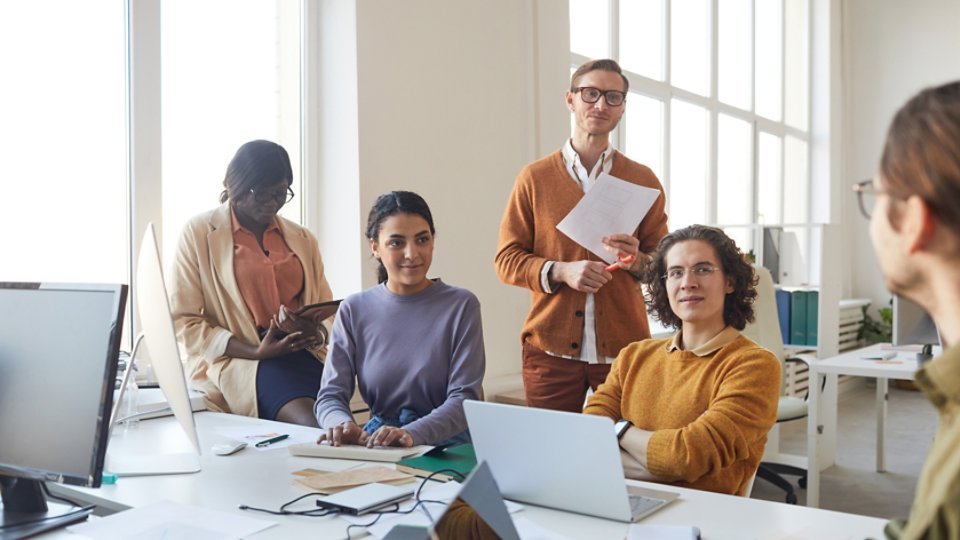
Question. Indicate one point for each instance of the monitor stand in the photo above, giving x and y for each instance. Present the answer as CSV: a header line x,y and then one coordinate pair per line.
x,y
25,511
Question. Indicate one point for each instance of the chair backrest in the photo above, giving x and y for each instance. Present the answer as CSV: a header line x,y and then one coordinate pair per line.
x,y
748,487
765,329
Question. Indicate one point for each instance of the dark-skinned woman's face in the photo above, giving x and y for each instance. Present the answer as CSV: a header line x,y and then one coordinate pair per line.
x,y
261,205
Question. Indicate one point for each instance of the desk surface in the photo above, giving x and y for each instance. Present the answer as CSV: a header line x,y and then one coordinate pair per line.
x,y
263,478
857,362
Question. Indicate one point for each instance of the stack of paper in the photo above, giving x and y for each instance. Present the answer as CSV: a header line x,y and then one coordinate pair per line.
x,y
327,483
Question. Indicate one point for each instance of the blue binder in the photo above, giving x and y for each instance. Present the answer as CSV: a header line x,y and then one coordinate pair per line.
x,y
783,313
813,301
798,318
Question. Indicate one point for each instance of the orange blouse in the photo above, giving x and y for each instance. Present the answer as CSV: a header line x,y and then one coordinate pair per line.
x,y
266,278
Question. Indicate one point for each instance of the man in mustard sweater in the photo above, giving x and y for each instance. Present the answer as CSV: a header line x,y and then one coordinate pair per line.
x,y
913,204
696,408
580,315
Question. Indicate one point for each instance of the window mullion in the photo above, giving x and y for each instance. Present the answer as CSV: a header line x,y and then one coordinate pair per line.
x,y
712,144
144,133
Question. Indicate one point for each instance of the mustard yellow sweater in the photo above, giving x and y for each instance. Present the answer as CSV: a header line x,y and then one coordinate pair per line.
x,y
710,414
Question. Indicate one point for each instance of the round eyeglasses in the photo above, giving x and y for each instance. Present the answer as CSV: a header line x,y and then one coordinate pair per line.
x,y
866,196
589,94
698,271
282,197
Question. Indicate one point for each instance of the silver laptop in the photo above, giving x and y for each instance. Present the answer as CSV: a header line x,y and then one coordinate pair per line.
x,y
559,460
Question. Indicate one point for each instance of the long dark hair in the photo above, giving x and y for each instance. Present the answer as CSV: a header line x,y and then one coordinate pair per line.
x,y
388,204
737,306
256,164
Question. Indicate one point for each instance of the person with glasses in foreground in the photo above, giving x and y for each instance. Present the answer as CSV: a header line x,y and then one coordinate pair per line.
x,y
236,267
694,410
581,315
913,204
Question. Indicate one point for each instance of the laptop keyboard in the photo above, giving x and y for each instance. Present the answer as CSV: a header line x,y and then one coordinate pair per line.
x,y
640,504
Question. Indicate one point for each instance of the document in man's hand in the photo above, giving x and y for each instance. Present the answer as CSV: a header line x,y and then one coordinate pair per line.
x,y
612,206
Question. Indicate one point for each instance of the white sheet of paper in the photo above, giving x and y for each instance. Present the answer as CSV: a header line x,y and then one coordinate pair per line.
x,y
638,531
171,521
612,206
820,533
252,436
528,530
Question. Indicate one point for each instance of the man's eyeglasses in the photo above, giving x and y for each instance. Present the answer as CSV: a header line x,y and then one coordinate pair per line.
x,y
698,271
282,197
589,94
866,196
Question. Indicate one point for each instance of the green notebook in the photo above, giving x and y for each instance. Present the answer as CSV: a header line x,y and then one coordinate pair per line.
x,y
460,458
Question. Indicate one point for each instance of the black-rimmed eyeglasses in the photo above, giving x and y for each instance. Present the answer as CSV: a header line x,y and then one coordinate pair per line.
x,y
700,271
866,196
282,197
589,94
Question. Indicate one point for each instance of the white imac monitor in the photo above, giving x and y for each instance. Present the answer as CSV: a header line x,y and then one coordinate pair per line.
x,y
912,325
157,326
59,345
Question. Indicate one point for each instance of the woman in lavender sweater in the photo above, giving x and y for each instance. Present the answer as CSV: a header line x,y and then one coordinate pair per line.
x,y
413,345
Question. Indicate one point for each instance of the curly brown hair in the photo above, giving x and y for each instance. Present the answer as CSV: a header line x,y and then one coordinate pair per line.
x,y
737,306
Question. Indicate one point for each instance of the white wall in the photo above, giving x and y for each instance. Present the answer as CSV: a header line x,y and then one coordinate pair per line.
x,y
449,105
891,50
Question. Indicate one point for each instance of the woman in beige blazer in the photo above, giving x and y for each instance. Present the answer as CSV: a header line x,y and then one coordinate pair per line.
x,y
236,268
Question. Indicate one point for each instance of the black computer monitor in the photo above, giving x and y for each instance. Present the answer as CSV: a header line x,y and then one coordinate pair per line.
x,y
59,345
912,325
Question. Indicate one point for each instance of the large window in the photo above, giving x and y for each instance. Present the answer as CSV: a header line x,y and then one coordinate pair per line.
x,y
63,157
718,103
231,74
86,163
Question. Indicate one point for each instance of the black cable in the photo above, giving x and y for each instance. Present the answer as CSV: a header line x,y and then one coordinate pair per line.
x,y
417,504
313,512
47,494
382,513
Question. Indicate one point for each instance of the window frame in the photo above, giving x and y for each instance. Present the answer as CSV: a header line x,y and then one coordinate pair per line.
x,y
144,126
665,92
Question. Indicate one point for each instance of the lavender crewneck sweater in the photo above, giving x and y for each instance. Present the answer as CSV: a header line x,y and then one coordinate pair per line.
x,y
422,352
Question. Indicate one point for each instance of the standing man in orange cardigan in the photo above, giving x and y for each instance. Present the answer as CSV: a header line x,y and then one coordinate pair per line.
x,y
581,315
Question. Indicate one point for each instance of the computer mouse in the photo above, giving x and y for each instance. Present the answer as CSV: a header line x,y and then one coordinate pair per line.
x,y
225,449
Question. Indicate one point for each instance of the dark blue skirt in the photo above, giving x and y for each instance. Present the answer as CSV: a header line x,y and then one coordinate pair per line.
x,y
285,378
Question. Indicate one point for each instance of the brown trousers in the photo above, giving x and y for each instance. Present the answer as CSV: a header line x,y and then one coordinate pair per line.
x,y
550,382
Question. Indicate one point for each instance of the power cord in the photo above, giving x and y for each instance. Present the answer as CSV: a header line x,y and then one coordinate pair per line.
x,y
420,502
314,512
49,495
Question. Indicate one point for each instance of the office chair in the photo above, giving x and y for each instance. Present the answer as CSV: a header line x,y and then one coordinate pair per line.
x,y
765,331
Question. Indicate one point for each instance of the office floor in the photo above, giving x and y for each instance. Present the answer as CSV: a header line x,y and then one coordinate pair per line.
x,y
853,485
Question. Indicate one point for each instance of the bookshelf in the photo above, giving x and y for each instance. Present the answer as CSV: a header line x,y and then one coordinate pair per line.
x,y
801,258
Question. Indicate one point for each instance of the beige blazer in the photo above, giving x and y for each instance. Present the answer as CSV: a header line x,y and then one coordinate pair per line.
x,y
208,309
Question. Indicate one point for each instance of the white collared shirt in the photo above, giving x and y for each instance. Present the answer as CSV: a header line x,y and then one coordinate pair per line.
x,y
585,179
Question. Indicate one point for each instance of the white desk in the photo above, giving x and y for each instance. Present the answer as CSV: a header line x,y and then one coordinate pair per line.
x,y
821,437
263,479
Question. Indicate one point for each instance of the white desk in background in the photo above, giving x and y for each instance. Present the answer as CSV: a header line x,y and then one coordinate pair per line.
x,y
822,438
263,479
